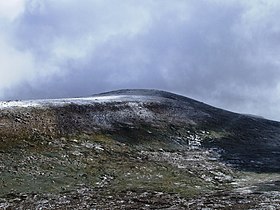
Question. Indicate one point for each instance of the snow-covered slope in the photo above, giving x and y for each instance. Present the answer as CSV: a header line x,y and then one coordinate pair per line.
x,y
77,101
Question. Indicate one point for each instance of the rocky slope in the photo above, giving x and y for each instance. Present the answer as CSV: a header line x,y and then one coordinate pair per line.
x,y
141,149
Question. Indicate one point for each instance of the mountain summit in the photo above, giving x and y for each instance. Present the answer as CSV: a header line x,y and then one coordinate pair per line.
x,y
135,149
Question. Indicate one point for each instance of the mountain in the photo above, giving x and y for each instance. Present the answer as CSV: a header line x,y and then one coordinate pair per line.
x,y
140,149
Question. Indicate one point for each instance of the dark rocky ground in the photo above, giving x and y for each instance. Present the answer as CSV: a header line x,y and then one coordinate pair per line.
x,y
144,150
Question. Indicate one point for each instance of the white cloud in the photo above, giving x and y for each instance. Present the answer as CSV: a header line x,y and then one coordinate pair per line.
x,y
16,66
11,9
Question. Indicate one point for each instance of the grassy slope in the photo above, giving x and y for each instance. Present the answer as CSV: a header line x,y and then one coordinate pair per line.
x,y
143,155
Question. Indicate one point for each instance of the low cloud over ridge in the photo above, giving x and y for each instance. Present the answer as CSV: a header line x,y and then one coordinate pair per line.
x,y
221,52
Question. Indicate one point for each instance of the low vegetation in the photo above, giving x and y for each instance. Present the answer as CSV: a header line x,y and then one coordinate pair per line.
x,y
159,151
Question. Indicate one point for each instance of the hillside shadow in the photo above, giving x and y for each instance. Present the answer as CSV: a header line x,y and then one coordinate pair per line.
x,y
246,157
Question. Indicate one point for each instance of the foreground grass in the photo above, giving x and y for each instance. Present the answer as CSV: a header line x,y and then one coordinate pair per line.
x,y
95,161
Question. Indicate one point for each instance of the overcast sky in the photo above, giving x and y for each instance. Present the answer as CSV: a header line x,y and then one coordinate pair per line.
x,y
226,53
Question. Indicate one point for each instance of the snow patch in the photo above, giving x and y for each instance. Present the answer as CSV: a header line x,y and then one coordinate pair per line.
x,y
78,101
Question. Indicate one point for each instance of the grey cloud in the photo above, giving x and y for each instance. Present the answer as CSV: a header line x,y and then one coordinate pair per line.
x,y
219,52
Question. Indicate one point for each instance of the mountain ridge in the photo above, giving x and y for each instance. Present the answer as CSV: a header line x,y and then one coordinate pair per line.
x,y
132,147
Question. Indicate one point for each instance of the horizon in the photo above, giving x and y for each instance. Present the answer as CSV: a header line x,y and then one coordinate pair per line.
x,y
221,53
107,92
